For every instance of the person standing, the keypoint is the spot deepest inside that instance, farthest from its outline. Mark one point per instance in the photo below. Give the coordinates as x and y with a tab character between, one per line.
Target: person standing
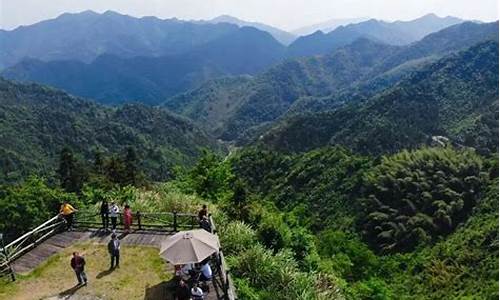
205	224
78	265
105	214
203	212
127	218
113	214
67	211
114	251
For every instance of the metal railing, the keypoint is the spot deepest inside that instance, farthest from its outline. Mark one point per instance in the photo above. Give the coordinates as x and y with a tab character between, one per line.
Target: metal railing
28	241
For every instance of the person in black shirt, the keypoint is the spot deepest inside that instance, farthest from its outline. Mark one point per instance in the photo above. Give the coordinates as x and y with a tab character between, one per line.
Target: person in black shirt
205	224
105	214
78	265
203	213
114	251
182	292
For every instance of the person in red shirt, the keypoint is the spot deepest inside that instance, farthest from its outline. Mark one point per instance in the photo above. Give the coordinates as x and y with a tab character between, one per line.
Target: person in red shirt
78	265
127	218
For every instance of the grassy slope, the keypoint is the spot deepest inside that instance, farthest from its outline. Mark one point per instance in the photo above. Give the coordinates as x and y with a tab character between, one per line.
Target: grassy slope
55	277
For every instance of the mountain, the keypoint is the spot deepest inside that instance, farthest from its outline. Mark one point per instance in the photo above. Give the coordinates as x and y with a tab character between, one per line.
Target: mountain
271	93
87	35
112	80
326	26
404	60
455	97
232	110
393	33
37	122
281	36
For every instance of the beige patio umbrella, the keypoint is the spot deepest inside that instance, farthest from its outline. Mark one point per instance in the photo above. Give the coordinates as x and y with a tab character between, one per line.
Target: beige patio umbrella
187	247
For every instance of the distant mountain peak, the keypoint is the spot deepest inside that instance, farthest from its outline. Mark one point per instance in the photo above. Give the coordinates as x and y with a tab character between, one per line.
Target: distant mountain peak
112	13
429	16
280	35
224	18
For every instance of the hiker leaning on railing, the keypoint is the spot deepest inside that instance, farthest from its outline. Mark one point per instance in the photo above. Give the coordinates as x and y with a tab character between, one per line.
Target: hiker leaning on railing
67	211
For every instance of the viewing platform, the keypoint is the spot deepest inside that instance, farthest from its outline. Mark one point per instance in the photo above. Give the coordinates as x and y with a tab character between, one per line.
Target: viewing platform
30	251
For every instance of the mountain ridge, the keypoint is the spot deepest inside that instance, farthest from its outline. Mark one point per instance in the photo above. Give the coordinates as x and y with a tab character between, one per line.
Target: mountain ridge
394	33
113	80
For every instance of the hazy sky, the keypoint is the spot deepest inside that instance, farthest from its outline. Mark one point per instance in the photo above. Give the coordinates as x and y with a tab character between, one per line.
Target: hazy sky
286	14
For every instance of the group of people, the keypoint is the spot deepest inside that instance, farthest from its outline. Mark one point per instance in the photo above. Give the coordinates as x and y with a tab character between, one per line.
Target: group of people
107	212
112	212
198	274
78	261
195	273
67	211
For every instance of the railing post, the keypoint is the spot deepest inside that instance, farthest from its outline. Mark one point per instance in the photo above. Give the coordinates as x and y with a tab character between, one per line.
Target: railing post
6	254
175	221
139	220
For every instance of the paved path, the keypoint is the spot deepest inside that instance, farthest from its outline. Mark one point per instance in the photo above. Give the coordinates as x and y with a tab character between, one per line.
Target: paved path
57	243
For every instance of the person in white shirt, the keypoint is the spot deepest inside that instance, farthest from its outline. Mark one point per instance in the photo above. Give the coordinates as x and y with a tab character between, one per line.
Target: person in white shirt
196	292
113	214
206	272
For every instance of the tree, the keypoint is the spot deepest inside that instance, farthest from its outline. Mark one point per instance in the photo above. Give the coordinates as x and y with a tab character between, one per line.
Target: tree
114	170
24	206
98	162
70	172
211	176
131	174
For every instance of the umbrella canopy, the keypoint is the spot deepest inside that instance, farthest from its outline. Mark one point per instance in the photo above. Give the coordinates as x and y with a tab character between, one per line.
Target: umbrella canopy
189	246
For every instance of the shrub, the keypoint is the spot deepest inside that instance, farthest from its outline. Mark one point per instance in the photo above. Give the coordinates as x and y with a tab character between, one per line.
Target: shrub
236	237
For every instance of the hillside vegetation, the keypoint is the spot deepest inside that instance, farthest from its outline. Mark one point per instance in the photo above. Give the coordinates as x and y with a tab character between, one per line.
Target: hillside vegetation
38	122
350	74
301	223
455	97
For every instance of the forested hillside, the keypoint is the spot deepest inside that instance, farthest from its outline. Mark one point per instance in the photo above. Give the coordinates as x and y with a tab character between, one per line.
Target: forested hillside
414	225
455	97
38	122
321	83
